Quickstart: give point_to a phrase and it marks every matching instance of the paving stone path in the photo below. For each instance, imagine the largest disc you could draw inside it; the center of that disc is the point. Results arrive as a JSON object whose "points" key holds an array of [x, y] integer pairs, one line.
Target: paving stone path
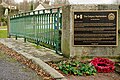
{"points": [[43, 53]]}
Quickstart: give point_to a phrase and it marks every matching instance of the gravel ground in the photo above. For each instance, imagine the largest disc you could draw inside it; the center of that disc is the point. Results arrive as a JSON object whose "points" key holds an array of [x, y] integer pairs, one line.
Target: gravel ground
{"points": [[99, 76], [10, 69]]}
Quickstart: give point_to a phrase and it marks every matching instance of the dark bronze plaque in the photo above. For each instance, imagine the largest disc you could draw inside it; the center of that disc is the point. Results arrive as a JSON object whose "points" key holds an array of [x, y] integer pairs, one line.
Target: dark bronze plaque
{"points": [[95, 28]]}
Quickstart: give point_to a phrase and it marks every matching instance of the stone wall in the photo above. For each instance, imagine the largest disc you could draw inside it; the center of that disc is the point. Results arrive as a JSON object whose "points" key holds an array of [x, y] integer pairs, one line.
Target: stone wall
{"points": [[67, 33]]}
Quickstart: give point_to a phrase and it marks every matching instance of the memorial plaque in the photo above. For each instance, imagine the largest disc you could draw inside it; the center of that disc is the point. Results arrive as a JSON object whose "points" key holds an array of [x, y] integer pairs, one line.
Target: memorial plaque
{"points": [[95, 28]]}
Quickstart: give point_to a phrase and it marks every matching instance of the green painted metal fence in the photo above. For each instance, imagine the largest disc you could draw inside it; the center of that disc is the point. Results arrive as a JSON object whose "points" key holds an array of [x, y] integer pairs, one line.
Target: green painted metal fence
{"points": [[42, 26]]}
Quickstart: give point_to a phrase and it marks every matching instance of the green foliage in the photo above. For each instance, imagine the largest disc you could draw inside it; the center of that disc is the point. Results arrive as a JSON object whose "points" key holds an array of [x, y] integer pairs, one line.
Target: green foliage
{"points": [[77, 68], [3, 19]]}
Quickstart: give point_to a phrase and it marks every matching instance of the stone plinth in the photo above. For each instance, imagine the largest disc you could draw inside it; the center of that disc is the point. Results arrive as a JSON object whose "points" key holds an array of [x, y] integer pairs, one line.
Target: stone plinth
{"points": [[67, 33]]}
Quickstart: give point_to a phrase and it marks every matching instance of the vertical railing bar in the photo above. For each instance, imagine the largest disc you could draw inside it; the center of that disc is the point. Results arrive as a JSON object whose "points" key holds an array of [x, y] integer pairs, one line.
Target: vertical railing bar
{"points": [[50, 17], [37, 25], [54, 31], [44, 26], [34, 35], [35, 16], [53, 28], [30, 25], [25, 27], [18, 26], [48, 27], [15, 28], [40, 26]]}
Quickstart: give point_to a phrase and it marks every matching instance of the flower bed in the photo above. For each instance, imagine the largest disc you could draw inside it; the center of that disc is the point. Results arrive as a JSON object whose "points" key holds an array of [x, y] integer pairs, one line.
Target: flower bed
{"points": [[76, 68], [103, 65]]}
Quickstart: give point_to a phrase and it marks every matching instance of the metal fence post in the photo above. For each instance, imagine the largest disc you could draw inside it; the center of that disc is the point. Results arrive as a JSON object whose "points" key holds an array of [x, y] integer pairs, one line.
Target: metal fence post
{"points": [[57, 31]]}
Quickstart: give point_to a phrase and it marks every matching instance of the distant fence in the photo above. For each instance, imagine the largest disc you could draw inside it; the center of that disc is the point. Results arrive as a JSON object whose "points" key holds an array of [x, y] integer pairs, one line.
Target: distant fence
{"points": [[43, 27]]}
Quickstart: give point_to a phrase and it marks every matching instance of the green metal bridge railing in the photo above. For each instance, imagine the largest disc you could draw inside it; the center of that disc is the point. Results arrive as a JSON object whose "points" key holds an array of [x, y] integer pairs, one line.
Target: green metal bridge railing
{"points": [[41, 26]]}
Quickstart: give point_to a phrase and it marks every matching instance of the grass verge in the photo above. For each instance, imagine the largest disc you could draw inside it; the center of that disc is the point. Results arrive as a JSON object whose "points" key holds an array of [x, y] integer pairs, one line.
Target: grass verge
{"points": [[3, 33]]}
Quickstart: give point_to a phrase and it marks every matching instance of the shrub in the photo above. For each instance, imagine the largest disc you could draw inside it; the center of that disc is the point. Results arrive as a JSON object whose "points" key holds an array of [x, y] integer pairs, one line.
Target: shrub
{"points": [[77, 68]]}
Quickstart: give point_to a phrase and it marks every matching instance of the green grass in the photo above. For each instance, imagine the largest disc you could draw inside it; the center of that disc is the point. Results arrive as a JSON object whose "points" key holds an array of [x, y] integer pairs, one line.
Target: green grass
{"points": [[37, 47], [3, 33], [3, 27]]}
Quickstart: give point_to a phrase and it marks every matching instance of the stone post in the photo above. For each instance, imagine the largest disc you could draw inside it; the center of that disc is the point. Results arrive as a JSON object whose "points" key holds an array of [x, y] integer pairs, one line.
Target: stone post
{"points": [[8, 26], [67, 47]]}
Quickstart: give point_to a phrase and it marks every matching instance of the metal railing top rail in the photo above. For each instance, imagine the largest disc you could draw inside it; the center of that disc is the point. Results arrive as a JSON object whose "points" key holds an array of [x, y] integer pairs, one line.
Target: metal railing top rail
{"points": [[37, 12]]}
